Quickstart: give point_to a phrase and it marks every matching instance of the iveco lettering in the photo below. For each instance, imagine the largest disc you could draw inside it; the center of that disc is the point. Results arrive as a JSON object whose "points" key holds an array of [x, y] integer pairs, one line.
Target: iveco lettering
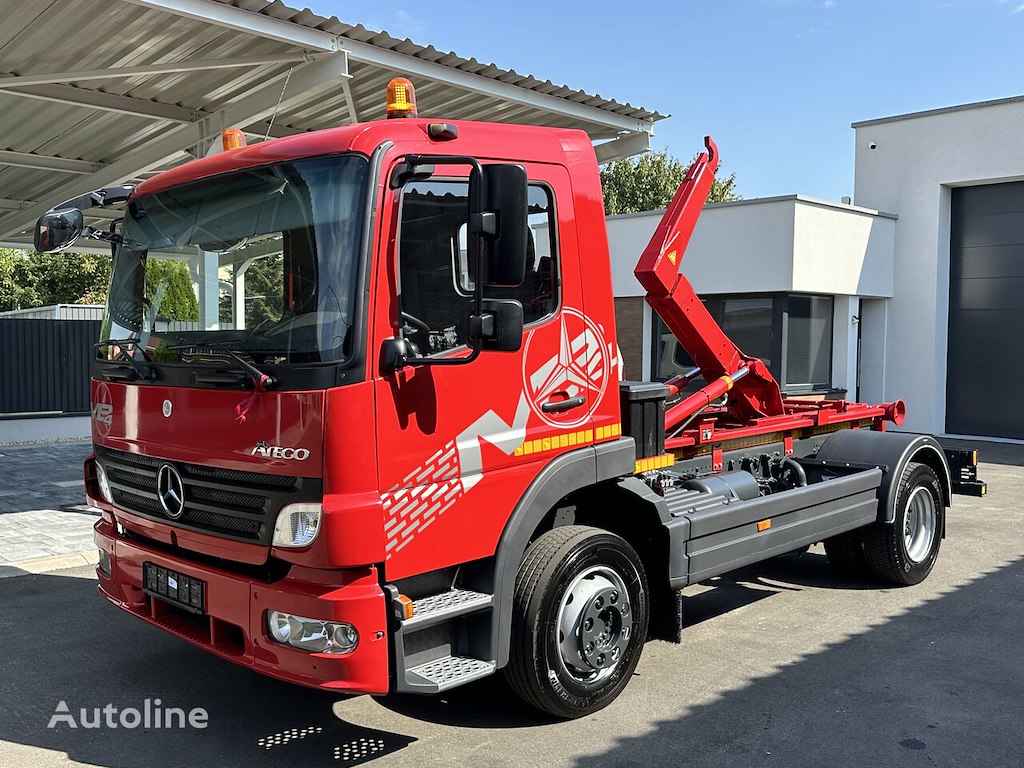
{"points": [[401, 456]]}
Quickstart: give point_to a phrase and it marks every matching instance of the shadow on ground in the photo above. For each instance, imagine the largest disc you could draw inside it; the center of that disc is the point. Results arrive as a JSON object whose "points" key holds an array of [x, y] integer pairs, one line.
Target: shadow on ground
{"points": [[70, 645], [937, 685]]}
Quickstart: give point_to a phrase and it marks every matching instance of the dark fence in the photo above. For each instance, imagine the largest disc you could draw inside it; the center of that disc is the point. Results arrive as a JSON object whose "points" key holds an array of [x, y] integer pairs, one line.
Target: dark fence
{"points": [[45, 365]]}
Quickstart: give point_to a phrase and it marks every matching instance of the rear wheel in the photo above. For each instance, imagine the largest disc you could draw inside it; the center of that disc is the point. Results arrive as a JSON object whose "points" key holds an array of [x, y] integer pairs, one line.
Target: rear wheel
{"points": [[904, 551], [579, 621]]}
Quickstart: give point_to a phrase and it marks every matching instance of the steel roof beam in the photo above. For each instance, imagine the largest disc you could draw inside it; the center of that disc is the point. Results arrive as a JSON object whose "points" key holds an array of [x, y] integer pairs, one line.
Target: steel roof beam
{"points": [[255, 107], [106, 102], [46, 162], [262, 25], [241, 20], [624, 146], [7, 204], [128, 105], [168, 68]]}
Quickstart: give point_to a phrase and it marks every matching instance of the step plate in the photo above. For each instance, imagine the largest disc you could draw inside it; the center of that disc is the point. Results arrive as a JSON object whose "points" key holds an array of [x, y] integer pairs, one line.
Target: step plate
{"points": [[452, 671], [436, 608]]}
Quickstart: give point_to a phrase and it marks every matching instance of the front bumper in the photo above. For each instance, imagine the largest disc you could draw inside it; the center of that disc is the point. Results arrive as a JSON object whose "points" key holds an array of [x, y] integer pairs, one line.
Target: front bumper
{"points": [[234, 626]]}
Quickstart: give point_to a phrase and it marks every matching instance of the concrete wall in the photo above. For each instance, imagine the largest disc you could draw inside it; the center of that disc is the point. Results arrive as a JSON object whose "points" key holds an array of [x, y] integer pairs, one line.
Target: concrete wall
{"points": [[44, 429], [917, 159], [771, 244], [786, 244]]}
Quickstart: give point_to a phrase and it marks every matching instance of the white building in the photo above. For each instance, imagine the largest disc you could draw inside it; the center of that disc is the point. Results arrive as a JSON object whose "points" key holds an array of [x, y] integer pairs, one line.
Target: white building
{"points": [[916, 292]]}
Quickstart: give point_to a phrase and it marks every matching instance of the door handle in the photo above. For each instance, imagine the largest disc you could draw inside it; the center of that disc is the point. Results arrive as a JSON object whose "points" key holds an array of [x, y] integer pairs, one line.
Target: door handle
{"points": [[560, 406]]}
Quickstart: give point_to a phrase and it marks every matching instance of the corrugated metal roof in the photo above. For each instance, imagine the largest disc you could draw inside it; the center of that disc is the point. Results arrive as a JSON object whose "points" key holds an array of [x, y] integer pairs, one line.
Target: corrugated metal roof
{"points": [[335, 26], [105, 120]]}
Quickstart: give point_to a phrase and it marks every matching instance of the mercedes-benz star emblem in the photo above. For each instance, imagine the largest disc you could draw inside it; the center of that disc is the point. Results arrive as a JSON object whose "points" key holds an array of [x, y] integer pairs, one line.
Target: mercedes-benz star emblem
{"points": [[171, 491]]}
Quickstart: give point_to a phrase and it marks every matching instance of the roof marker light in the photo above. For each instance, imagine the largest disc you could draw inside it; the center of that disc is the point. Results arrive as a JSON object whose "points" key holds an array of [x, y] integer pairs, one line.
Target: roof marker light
{"points": [[233, 138], [442, 131], [401, 98]]}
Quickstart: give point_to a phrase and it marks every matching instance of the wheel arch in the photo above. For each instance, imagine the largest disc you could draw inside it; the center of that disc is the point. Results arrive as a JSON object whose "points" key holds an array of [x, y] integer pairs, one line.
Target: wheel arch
{"points": [[555, 487], [891, 451]]}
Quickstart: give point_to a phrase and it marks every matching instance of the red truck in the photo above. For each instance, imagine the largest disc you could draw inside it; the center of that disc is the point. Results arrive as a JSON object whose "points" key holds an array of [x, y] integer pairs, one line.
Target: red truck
{"points": [[410, 462]]}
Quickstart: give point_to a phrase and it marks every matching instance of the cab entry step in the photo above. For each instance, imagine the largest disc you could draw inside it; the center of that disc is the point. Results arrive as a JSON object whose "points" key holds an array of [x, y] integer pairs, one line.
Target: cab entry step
{"points": [[451, 671]]}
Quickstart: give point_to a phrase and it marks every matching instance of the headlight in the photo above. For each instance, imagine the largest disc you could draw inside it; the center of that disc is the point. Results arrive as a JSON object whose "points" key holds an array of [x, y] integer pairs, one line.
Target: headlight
{"points": [[297, 525], [313, 635], [101, 479]]}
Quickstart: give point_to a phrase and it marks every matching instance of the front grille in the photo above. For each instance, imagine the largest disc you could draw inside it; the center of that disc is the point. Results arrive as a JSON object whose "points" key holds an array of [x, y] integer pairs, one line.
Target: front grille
{"points": [[225, 502]]}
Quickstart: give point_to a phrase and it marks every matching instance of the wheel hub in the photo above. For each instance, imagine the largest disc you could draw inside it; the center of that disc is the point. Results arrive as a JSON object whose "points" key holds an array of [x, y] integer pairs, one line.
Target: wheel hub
{"points": [[595, 623], [920, 526]]}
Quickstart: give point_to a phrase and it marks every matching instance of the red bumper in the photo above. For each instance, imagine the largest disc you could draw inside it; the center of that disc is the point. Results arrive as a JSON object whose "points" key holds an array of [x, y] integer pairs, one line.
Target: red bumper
{"points": [[234, 627]]}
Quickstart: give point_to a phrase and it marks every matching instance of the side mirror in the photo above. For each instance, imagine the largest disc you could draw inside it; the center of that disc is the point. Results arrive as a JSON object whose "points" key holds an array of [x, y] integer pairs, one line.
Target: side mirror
{"points": [[499, 326], [58, 230], [505, 198]]}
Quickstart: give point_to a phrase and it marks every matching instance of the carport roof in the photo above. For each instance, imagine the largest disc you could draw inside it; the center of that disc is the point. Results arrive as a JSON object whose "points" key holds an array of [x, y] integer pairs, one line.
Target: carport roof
{"points": [[94, 92]]}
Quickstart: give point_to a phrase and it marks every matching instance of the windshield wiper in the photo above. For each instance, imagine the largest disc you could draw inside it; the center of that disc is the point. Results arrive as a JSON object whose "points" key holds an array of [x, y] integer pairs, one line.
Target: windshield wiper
{"points": [[260, 381], [144, 373]]}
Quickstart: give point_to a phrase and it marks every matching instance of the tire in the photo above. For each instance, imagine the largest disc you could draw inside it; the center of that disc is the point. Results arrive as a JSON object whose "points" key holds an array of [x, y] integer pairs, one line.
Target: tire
{"points": [[845, 554], [903, 552], [572, 661]]}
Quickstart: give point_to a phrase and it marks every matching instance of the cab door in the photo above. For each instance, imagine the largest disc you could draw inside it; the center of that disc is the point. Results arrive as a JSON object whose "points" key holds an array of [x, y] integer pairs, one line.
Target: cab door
{"points": [[459, 444]]}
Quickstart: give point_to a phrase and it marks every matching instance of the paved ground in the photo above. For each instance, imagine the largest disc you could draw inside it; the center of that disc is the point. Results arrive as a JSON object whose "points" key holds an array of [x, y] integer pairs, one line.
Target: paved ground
{"points": [[43, 517], [783, 664]]}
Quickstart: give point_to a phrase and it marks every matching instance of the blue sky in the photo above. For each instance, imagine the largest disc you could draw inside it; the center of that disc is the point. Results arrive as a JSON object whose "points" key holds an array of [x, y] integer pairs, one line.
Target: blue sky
{"points": [[776, 82]]}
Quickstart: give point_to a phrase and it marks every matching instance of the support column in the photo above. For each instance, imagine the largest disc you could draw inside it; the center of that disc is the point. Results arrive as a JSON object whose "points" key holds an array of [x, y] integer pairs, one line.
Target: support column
{"points": [[647, 363], [845, 319], [238, 296], [208, 264]]}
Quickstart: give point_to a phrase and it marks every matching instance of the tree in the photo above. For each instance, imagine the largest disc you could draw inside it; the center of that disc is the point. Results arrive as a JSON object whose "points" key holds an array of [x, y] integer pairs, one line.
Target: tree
{"points": [[264, 290], [39, 279], [648, 183], [178, 300]]}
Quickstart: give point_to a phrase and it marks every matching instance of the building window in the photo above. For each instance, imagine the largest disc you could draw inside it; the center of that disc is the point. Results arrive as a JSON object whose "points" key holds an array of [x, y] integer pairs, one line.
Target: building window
{"points": [[749, 323], [808, 330], [791, 333]]}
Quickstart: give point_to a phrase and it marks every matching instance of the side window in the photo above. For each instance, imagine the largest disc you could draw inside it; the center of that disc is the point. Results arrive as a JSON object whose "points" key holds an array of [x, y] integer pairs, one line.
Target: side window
{"points": [[539, 292], [434, 277], [435, 310]]}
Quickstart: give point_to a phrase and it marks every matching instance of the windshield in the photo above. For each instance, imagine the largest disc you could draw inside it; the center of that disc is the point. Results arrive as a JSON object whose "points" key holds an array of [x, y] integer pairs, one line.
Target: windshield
{"points": [[262, 262]]}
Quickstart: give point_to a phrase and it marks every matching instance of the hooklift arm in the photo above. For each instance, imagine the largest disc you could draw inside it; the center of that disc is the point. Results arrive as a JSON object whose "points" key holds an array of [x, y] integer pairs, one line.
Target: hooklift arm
{"points": [[755, 394]]}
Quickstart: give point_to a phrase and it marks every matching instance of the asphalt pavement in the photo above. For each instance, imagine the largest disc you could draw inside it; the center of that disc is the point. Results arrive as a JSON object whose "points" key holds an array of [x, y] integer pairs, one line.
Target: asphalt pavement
{"points": [[782, 664]]}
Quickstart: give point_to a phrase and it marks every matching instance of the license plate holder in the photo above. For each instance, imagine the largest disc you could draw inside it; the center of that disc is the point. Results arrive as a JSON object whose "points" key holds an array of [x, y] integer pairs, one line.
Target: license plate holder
{"points": [[185, 592]]}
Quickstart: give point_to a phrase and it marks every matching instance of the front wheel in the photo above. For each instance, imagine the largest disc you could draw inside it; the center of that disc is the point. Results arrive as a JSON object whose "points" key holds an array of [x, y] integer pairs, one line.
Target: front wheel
{"points": [[903, 552], [579, 621]]}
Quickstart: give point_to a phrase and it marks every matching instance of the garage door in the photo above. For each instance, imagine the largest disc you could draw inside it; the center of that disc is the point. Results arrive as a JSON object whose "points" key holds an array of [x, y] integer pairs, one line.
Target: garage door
{"points": [[985, 382]]}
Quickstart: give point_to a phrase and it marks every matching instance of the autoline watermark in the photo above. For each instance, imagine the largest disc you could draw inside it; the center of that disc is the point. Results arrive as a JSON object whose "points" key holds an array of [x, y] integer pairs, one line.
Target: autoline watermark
{"points": [[152, 714]]}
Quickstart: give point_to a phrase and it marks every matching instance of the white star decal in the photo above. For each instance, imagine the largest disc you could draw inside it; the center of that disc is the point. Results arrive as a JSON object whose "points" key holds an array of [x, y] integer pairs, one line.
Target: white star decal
{"points": [[577, 365]]}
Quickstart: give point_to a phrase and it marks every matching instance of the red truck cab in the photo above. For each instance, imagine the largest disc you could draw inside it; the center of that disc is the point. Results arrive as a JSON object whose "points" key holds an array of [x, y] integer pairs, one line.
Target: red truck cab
{"points": [[416, 469]]}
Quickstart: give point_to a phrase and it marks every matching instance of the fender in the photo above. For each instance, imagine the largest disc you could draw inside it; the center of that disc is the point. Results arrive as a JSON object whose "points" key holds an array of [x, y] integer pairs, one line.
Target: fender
{"points": [[565, 474], [891, 451]]}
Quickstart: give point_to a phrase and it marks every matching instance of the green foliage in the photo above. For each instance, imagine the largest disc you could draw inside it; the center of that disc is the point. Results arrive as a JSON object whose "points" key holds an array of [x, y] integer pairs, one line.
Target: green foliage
{"points": [[647, 183], [264, 291], [40, 279], [170, 282]]}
